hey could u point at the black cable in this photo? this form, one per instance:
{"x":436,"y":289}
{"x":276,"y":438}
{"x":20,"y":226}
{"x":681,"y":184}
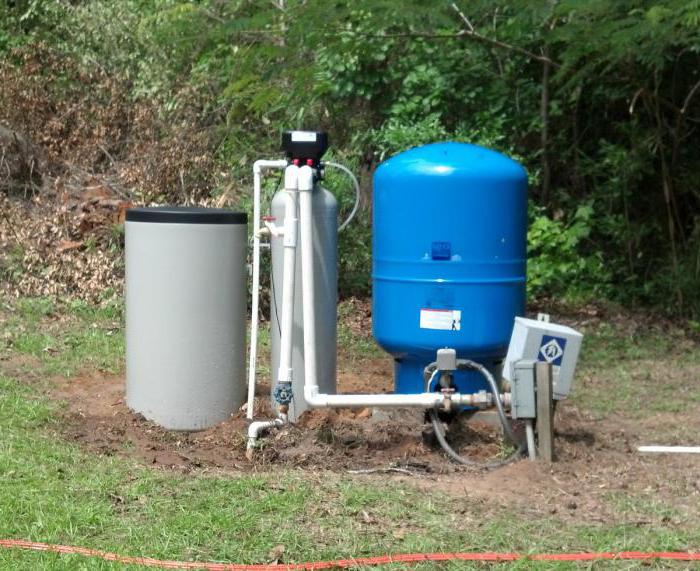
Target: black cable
{"x":272,"y":265}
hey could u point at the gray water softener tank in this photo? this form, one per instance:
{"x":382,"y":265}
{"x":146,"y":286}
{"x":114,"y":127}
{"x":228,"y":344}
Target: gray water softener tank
{"x":325,"y":214}
{"x":185,"y":314}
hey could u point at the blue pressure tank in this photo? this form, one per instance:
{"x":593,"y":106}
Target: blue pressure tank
{"x":449,"y":256}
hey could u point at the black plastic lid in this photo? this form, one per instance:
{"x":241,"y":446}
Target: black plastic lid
{"x":185,"y":215}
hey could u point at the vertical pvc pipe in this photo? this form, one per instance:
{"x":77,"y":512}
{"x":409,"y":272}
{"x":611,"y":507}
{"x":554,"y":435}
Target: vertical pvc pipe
{"x":306,"y":184}
{"x":530,"y":438}
{"x":291,"y":175}
{"x":258,"y":167}
{"x":257,"y":183}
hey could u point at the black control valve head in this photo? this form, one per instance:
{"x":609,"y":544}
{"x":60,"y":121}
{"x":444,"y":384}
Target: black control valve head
{"x":305,"y":147}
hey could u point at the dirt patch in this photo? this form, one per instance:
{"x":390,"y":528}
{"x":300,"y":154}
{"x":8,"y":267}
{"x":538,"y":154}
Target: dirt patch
{"x":19,"y":365}
{"x":597,"y":460}
{"x":338,"y":440}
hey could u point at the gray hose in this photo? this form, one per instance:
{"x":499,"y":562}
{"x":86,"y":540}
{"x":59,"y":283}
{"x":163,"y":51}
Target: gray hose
{"x":464,"y":364}
{"x":461,"y":459}
{"x":356,"y":186}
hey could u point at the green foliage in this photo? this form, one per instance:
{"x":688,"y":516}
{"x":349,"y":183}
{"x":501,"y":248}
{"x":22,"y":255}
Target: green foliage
{"x":12,"y":264}
{"x":396,"y":135}
{"x":556,"y":265}
{"x":622,"y":100}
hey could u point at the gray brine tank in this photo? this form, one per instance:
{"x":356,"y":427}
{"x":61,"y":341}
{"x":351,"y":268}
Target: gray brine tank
{"x":325,"y":215}
{"x":185,"y":314}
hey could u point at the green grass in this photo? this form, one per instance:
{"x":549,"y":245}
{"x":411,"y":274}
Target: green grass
{"x":655,"y":371}
{"x":65,"y":340}
{"x":54,"y":491}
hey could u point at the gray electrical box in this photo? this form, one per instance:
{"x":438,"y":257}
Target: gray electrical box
{"x":558,"y":345}
{"x":446,"y":359}
{"x":522,"y":389}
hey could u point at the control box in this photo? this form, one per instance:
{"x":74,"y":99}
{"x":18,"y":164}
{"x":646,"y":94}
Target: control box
{"x":548,"y":342}
{"x":522,"y":390}
{"x":307,"y":147}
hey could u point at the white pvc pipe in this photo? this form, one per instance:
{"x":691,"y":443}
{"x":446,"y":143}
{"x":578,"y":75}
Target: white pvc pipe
{"x":530,"y":438}
{"x":671,"y":449}
{"x":255,"y":428}
{"x":258,"y":168}
{"x":306,"y":185}
{"x":291,"y":183}
{"x":418,"y":400}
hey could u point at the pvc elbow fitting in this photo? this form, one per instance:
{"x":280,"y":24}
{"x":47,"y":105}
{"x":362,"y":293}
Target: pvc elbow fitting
{"x":314,"y":399}
{"x":306,"y":178}
{"x":291,"y":178}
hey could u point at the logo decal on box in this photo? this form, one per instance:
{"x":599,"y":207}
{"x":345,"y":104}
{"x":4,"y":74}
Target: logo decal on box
{"x":552,"y":349}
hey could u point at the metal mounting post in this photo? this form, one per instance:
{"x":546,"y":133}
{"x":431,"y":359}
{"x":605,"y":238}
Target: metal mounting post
{"x":545,"y":411}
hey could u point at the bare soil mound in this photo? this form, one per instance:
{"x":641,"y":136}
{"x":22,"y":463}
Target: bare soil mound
{"x":337,"y":440}
{"x":594,"y":458}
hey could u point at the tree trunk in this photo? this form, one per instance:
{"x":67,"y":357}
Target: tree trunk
{"x":544,"y":135}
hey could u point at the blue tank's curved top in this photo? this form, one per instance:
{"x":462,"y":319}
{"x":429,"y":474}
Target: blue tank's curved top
{"x":452,"y":159}
{"x":449,"y":257}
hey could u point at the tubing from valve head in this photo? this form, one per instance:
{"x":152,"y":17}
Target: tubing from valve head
{"x":356,"y":186}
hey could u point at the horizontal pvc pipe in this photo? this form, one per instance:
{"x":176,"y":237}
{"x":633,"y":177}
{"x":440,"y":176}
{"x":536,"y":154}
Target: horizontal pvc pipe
{"x":262,"y":164}
{"x":419,"y":400}
{"x":671,"y":449}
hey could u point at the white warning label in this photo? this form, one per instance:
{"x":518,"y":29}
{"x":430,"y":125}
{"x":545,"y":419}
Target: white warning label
{"x":445,"y":319}
{"x":303,"y":136}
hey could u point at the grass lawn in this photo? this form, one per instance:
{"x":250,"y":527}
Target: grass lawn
{"x":55,"y":491}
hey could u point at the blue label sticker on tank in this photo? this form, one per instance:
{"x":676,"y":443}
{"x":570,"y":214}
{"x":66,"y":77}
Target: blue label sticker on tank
{"x":551,"y":349}
{"x":441,"y":250}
